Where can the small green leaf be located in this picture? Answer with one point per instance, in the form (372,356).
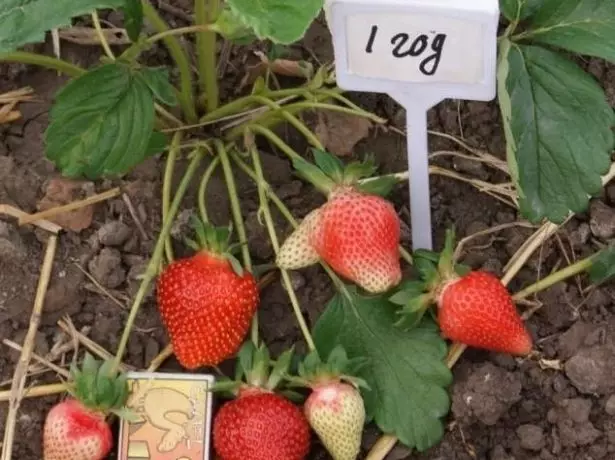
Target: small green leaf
(407,291)
(406,371)
(381,186)
(312,174)
(27,21)
(157,143)
(245,358)
(558,127)
(580,26)
(329,164)
(101,123)
(157,80)
(518,10)
(279,369)
(280,21)
(603,266)
(426,268)
(133,18)
(232,28)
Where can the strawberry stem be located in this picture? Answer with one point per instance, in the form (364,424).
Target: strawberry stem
(203,188)
(264,203)
(152,266)
(554,278)
(166,189)
(316,177)
(238,218)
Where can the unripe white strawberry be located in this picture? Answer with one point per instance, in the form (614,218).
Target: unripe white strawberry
(297,252)
(336,412)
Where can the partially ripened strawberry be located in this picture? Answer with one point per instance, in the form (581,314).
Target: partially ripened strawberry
(76,429)
(259,423)
(336,412)
(297,251)
(478,311)
(207,301)
(358,236)
(334,408)
(356,231)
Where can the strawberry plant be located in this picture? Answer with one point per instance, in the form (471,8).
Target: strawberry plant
(108,119)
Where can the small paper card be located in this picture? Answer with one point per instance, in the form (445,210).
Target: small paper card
(174,417)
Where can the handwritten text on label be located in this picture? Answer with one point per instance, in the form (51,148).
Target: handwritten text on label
(415,48)
(404,47)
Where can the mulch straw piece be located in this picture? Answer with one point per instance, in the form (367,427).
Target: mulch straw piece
(9,101)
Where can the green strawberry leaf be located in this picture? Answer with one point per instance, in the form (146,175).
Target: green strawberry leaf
(101,123)
(232,28)
(329,164)
(558,127)
(157,143)
(27,21)
(280,369)
(133,18)
(603,266)
(382,186)
(580,26)
(281,21)
(157,79)
(518,10)
(406,370)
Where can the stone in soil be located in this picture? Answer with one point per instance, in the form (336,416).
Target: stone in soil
(107,268)
(114,233)
(602,220)
(487,394)
(531,437)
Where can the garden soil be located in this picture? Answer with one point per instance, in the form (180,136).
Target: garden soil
(561,407)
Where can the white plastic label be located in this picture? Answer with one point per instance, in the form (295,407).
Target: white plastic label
(419,52)
(446,48)
(418,48)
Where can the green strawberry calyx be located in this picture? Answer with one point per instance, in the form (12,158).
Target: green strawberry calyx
(435,271)
(99,388)
(330,175)
(256,372)
(215,242)
(314,371)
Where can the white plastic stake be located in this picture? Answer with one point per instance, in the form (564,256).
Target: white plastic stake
(419,52)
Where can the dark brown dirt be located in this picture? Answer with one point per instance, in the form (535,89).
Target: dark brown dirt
(503,408)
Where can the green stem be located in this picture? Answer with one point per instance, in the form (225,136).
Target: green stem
(101,36)
(203,188)
(554,278)
(206,12)
(293,120)
(322,185)
(152,266)
(264,206)
(245,103)
(237,218)
(186,96)
(271,118)
(405,255)
(44,61)
(351,105)
(166,189)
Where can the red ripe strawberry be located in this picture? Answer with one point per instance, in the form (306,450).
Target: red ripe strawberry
(75,429)
(206,302)
(72,431)
(260,425)
(478,311)
(358,236)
